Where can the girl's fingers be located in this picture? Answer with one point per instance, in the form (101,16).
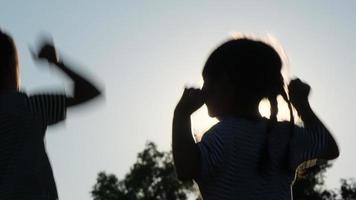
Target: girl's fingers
(191,90)
(186,91)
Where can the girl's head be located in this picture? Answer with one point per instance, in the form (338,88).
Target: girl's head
(238,74)
(9,69)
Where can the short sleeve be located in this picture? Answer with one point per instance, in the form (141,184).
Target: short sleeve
(307,145)
(211,153)
(51,108)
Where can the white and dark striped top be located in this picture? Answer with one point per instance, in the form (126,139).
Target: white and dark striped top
(230,159)
(25,171)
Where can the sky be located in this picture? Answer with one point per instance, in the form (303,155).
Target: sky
(143,53)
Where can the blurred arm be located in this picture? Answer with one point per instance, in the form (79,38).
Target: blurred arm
(83,89)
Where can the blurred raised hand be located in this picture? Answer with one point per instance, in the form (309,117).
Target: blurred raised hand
(83,88)
(46,52)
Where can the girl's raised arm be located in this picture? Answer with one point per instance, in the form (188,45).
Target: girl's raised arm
(83,89)
(185,151)
(314,141)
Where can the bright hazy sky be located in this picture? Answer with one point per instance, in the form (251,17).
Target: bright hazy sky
(144,52)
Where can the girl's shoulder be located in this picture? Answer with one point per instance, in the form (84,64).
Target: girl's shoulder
(228,127)
(284,130)
(12,97)
(217,131)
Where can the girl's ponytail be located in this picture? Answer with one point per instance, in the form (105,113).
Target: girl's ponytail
(270,125)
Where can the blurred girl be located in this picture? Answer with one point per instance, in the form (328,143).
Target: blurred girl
(25,170)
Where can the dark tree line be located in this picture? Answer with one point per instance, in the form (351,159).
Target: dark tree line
(153,177)
(311,186)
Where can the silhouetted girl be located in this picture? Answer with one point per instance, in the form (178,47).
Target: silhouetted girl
(246,156)
(25,171)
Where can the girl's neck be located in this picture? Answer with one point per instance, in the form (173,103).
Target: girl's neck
(248,112)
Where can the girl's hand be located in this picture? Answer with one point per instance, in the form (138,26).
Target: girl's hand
(46,52)
(191,100)
(299,93)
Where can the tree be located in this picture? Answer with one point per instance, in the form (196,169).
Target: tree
(348,189)
(310,185)
(152,177)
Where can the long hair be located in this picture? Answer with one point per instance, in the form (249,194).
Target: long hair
(254,67)
(9,64)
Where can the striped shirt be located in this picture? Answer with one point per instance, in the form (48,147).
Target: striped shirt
(230,159)
(25,170)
